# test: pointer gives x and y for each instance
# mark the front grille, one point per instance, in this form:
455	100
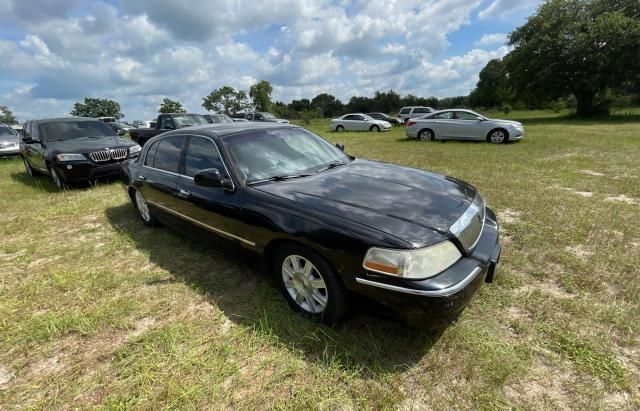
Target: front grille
110	154
469	226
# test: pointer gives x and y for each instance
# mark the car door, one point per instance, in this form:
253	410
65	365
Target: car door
359	123
216	210
468	126
157	180
34	151
442	124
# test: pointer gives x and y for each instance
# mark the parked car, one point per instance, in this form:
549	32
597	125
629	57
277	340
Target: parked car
413	111
264	116
463	125
327	225
359	122
73	150
9	141
17	128
107	119
217	118
239	120
384	117
119	127
167	122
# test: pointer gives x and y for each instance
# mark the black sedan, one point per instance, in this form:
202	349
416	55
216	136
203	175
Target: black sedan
381	116
73	150
331	228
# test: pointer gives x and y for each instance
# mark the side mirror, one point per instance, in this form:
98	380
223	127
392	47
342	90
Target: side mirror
29	140
168	127
340	146
121	132
211	177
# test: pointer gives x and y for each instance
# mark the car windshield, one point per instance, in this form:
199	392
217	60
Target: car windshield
7	133
366	117
71	130
266	154
221	118
186	120
268	115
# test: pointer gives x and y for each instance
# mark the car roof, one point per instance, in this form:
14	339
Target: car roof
61	119
223	130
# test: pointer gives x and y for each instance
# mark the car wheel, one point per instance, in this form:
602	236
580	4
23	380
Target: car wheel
425	135
498	136
57	180
375	128
309	284
143	210
339	129
29	169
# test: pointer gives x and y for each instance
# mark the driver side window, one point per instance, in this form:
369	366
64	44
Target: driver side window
165	122
202	154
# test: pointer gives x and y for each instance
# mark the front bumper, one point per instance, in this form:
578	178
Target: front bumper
83	171
10	151
438	300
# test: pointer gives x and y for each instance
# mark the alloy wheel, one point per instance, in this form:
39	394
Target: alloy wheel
425	135
27	167
56	178
142	206
497	137
305	284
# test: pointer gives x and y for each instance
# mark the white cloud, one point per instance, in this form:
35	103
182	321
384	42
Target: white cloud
504	8
492	39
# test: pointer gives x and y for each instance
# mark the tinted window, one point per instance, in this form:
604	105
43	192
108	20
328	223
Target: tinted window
167	156
72	129
443	116
405	111
7	132
148	161
421	110
165	123
463	115
26	130
202	154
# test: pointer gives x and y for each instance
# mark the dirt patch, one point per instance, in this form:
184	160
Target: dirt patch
5	376
577	192
546	288
623	199
592	173
582	252
509	216
47	366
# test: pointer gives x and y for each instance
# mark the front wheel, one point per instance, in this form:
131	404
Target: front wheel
309	284
498	136
375	128
29	169
57	180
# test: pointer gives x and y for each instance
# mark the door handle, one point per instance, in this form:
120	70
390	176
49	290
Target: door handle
183	194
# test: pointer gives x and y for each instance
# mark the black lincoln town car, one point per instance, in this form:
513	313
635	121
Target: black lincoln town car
73	150
331	228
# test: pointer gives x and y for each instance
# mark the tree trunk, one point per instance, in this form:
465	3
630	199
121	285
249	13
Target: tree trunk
584	99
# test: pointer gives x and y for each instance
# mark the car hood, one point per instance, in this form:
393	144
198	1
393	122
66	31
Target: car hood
509	122
85	145
413	205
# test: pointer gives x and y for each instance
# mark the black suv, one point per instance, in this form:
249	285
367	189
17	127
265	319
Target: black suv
73	150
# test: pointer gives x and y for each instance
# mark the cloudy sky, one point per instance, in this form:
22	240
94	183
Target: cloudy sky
55	52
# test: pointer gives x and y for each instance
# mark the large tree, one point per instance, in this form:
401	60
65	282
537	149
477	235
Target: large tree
170	106
327	104
97	107
260	94
579	47
6	115
226	100
491	88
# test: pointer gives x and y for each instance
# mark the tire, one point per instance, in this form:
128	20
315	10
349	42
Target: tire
375	128
140	203
310	284
29	169
57	180
426	135
498	136
339	129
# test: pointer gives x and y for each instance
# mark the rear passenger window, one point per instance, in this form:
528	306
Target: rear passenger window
405	111
421	110
167	156
202	154
151	153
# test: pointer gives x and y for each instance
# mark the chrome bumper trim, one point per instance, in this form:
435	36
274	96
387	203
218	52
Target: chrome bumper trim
425	293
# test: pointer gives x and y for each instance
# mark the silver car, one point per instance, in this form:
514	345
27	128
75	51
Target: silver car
9	141
359	122
463	125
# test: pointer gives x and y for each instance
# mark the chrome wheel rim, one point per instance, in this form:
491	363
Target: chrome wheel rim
56	179
425	136
305	284
497	137
143	208
27	167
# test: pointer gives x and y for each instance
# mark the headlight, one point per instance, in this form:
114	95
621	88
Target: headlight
134	150
413	264
70	157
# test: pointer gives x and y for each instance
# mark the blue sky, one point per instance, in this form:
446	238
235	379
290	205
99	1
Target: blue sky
56	52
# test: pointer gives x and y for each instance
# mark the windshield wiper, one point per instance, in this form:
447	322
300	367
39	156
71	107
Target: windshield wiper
331	165
280	177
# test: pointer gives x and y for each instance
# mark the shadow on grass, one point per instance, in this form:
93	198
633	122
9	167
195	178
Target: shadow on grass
44	182
237	284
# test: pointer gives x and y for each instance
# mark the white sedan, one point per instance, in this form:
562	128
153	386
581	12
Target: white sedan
359	122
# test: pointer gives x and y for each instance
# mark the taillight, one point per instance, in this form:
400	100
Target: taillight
410	123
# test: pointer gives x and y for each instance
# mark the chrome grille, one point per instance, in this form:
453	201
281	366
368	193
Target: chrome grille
469	226
109	154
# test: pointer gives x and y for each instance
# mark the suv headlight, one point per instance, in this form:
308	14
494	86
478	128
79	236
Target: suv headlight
134	150
412	264
70	157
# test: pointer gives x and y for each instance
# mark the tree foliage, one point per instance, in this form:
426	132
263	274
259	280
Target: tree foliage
326	103
491	89
97	107
6	116
578	47
170	106
226	100
260	94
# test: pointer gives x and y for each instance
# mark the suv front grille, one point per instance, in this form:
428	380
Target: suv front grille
469	226
111	154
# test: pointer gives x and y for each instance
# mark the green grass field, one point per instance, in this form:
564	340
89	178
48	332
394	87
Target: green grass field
98	310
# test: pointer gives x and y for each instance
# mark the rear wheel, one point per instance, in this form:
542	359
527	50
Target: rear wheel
498	136
425	135
339	129
309	284
375	128
143	210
